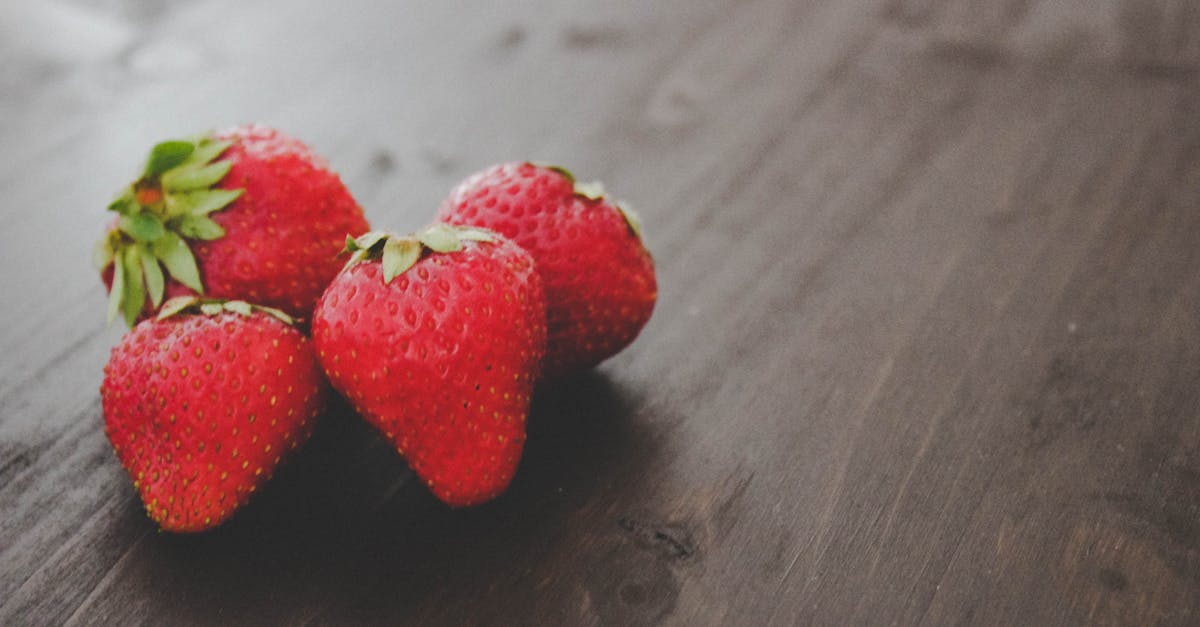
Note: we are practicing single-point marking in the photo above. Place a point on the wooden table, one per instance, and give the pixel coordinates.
(927, 346)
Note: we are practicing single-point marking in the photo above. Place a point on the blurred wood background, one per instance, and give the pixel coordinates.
(927, 349)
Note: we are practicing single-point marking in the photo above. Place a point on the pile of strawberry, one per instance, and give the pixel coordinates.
(230, 251)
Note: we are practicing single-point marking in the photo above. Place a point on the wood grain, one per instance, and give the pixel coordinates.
(926, 350)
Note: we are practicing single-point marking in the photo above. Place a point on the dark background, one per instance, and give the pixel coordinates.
(926, 349)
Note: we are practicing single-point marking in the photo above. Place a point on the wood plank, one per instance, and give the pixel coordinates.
(925, 351)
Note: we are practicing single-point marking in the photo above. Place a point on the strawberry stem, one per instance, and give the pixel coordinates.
(167, 206)
(214, 306)
(398, 253)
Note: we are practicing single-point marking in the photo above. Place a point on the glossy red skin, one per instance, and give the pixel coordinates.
(201, 410)
(599, 278)
(442, 361)
(283, 234)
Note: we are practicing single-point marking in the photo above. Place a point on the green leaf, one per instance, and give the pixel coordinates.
(135, 290)
(167, 155)
(361, 246)
(591, 191)
(201, 203)
(631, 218)
(283, 317)
(211, 309)
(124, 203)
(143, 227)
(557, 168)
(239, 307)
(153, 274)
(176, 305)
(195, 177)
(207, 150)
(476, 235)
(355, 259)
(369, 239)
(199, 227)
(399, 254)
(102, 254)
(441, 238)
(178, 259)
(117, 290)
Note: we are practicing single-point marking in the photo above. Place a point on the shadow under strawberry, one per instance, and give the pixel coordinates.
(347, 519)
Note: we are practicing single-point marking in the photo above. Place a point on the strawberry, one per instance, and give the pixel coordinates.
(598, 277)
(247, 213)
(202, 404)
(436, 340)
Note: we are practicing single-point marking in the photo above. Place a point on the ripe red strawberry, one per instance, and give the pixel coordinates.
(202, 407)
(436, 339)
(247, 213)
(598, 277)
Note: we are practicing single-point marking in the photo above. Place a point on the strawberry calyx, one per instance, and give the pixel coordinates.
(398, 253)
(594, 190)
(169, 204)
(567, 174)
(213, 306)
(631, 218)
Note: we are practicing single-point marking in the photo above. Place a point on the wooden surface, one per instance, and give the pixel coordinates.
(927, 349)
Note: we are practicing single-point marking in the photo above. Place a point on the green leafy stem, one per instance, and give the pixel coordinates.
(594, 190)
(169, 204)
(213, 306)
(399, 253)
